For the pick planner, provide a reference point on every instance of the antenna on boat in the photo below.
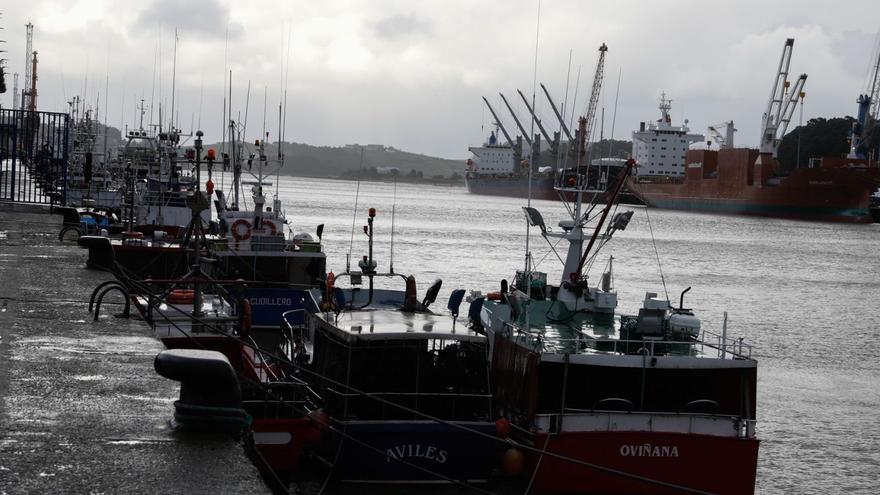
(173, 78)
(357, 195)
(527, 260)
(393, 209)
(225, 123)
(282, 115)
(614, 115)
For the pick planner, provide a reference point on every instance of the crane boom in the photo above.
(780, 107)
(558, 114)
(498, 121)
(594, 94)
(874, 88)
(525, 134)
(534, 116)
(790, 104)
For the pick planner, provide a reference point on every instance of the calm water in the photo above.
(805, 294)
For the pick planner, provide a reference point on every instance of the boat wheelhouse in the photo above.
(405, 391)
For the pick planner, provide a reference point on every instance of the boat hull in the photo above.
(720, 465)
(513, 186)
(730, 182)
(516, 186)
(410, 451)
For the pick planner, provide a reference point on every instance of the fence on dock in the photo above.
(34, 153)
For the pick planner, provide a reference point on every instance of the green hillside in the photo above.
(327, 161)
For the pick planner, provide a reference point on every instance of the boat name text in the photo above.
(648, 450)
(271, 301)
(416, 450)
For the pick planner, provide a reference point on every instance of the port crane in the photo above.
(724, 139)
(869, 104)
(590, 115)
(783, 100)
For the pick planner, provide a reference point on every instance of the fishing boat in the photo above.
(601, 402)
(259, 246)
(406, 390)
(230, 382)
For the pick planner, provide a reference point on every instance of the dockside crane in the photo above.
(869, 104)
(783, 101)
(29, 93)
(590, 115)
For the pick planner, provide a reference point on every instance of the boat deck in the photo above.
(554, 330)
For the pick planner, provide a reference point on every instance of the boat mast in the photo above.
(576, 275)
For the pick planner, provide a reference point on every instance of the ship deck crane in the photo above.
(537, 121)
(558, 115)
(725, 139)
(783, 100)
(498, 123)
(525, 134)
(590, 115)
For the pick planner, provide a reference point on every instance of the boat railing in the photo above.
(667, 422)
(736, 348)
(715, 345)
(410, 394)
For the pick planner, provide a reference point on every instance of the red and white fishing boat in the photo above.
(605, 403)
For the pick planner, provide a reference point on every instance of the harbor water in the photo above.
(804, 294)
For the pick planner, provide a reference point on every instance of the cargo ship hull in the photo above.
(730, 181)
(542, 188)
(512, 186)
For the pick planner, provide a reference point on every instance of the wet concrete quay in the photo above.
(81, 408)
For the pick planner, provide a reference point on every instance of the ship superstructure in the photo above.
(660, 148)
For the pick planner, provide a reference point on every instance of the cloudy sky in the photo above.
(410, 74)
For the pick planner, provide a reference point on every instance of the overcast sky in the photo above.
(410, 74)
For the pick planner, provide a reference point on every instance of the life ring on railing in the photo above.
(181, 296)
(271, 226)
(236, 232)
(245, 318)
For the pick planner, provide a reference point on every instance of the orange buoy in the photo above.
(502, 427)
(320, 418)
(181, 296)
(494, 296)
(514, 461)
(246, 315)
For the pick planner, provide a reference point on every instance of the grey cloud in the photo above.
(401, 26)
(202, 17)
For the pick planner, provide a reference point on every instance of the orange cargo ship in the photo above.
(735, 181)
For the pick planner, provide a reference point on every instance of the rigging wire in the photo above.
(656, 253)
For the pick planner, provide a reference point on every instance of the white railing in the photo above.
(575, 420)
(709, 344)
